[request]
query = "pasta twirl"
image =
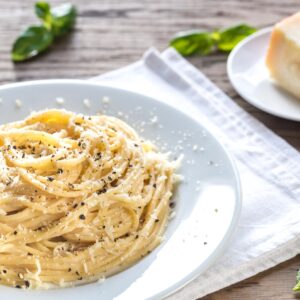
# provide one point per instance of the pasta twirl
(80, 198)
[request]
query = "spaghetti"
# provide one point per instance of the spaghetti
(81, 198)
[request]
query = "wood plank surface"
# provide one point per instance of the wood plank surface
(110, 34)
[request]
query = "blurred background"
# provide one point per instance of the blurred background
(110, 34)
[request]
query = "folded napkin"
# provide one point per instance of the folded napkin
(269, 229)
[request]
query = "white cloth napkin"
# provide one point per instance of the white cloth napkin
(269, 228)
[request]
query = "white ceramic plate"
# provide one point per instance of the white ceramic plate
(249, 76)
(208, 202)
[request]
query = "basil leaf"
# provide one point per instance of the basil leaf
(57, 21)
(31, 42)
(230, 37)
(63, 18)
(192, 42)
(297, 286)
(42, 10)
(188, 43)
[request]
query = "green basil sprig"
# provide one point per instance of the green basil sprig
(203, 43)
(56, 22)
(297, 286)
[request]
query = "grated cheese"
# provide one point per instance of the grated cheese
(60, 100)
(18, 103)
(87, 103)
(105, 100)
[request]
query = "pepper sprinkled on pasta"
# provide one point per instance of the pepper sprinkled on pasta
(81, 198)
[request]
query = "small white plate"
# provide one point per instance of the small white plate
(208, 201)
(249, 76)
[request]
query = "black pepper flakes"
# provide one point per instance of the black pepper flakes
(154, 185)
(114, 183)
(4, 271)
(77, 273)
(172, 204)
(69, 270)
(50, 178)
(75, 205)
(18, 286)
(15, 232)
(82, 217)
(60, 171)
(9, 182)
(98, 156)
(156, 220)
(102, 191)
(27, 283)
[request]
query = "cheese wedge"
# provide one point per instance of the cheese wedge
(283, 56)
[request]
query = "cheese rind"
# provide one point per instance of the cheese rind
(283, 56)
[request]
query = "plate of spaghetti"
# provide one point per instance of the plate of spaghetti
(107, 194)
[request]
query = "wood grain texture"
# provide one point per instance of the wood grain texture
(274, 284)
(110, 34)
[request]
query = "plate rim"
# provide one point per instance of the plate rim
(251, 99)
(224, 242)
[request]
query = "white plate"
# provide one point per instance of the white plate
(206, 211)
(249, 76)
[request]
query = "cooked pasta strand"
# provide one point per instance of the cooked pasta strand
(81, 198)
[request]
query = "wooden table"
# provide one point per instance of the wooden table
(112, 33)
